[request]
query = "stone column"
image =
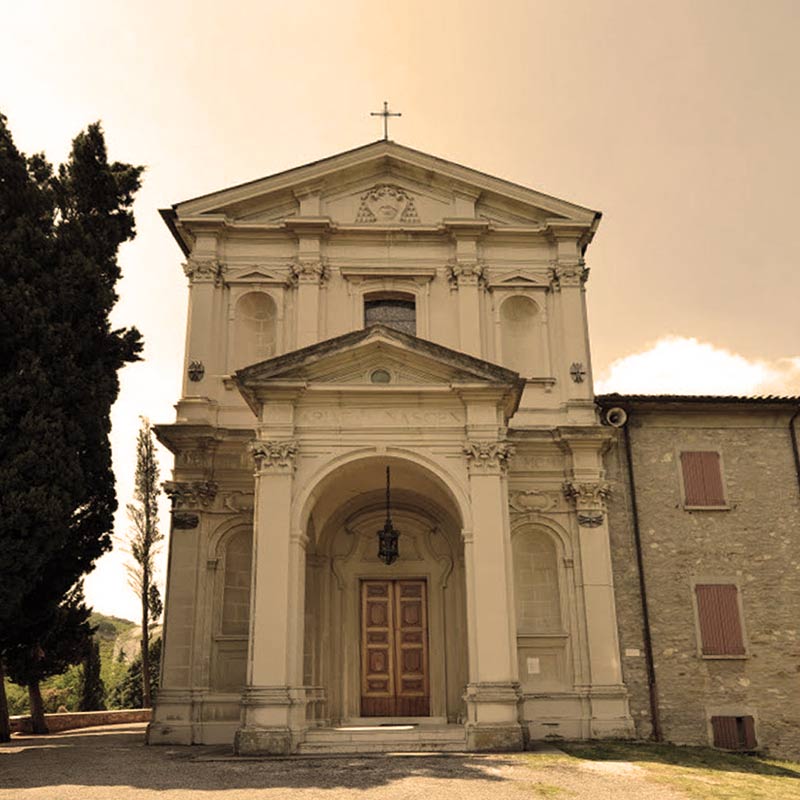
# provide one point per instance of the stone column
(493, 693)
(273, 704)
(173, 715)
(467, 278)
(587, 491)
(204, 273)
(310, 274)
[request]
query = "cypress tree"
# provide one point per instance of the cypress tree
(143, 541)
(59, 357)
(93, 691)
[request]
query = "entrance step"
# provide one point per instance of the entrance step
(383, 739)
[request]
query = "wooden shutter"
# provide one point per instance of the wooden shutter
(702, 478)
(720, 626)
(734, 733)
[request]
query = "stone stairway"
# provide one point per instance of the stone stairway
(412, 738)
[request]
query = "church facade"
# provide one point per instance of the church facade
(387, 341)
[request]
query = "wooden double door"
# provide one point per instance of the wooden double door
(395, 680)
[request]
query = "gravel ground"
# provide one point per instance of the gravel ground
(112, 763)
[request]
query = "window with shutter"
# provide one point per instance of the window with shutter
(702, 479)
(734, 733)
(718, 615)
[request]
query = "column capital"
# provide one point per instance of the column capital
(309, 270)
(466, 273)
(204, 269)
(273, 456)
(190, 494)
(568, 274)
(487, 457)
(589, 498)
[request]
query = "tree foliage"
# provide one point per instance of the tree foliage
(128, 693)
(93, 692)
(59, 356)
(58, 642)
(144, 542)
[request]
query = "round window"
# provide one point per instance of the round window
(380, 376)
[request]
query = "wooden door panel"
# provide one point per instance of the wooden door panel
(377, 656)
(394, 648)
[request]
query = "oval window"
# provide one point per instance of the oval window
(380, 376)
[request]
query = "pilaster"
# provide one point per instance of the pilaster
(204, 271)
(493, 694)
(273, 702)
(587, 491)
(173, 719)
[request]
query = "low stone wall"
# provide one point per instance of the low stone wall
(82, 719)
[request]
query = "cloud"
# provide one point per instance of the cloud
(681, 365)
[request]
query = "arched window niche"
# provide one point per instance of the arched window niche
(536, 582)
(255, 329)
(520, 335)
(396, 310)
(232, 602)
(544, 627)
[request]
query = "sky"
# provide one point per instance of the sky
(679, 121)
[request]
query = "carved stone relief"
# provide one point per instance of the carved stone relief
(589, 499)
(190, 495)
(466, 273)
(204, 269)
(488, 456)
(523, 501)
(273, 455)
(386, 203)
(313, 270)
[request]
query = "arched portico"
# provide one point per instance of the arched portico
(342, 567)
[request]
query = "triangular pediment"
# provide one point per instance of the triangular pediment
(351, 360)
(380, 184)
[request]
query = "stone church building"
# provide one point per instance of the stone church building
(564, 565)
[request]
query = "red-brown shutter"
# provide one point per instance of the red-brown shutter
(749, 733)
(734, 733)
(720, 626)
(725, 732)
(702, 478)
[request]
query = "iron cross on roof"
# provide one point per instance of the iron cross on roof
(385, 114)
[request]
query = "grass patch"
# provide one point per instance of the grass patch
(702, 773)
(540, 789)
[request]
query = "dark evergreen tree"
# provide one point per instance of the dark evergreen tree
(128, 692)
(93, 690)
(59, 357)
(144, 540)
(48, 650)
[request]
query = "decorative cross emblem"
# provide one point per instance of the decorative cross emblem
(577, 372)
(385, 114)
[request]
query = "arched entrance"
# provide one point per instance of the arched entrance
(384, 641)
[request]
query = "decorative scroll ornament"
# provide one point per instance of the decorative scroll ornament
(194, 494)
(569, 274)
(488, 456)
(386, 203)
(532, 500)
(274, 455)
(312, 270)
(466, 273)
(590, 501)
(203, 270)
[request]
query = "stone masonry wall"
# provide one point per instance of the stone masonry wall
(754, 544)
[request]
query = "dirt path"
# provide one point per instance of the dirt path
(112, 763)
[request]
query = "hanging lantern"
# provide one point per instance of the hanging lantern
(388, 536)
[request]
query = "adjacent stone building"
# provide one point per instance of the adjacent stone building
(384, 342)
(721, 573)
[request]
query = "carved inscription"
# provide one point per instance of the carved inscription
(366, 417)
